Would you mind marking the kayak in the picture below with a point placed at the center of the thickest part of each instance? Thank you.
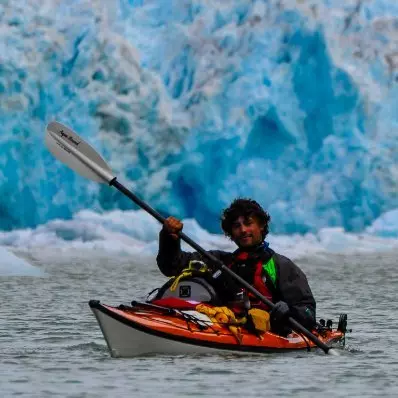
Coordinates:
(144, 328)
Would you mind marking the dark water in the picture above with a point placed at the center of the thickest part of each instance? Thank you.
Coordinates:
(52, 346)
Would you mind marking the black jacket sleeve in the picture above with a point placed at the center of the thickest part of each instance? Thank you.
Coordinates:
(172, 260)
(295, 291)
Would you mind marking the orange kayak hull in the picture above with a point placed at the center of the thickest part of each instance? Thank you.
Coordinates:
(144, 329)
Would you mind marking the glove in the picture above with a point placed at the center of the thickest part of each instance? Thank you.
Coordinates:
(280, 312)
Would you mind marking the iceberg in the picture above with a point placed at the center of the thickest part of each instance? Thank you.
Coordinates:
(12, 265)
(134, 234)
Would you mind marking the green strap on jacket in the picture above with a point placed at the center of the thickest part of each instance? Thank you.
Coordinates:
(270, 269)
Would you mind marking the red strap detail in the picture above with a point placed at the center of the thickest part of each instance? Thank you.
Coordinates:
(259, 285)
(177, 303)
(243, 256)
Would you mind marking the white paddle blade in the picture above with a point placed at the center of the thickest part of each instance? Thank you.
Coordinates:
(72, 150)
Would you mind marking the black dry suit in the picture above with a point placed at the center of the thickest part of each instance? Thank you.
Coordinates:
(282, 279)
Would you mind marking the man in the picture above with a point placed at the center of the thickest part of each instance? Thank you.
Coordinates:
(273, 275)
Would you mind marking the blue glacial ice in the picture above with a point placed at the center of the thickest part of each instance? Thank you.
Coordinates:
(194, 103)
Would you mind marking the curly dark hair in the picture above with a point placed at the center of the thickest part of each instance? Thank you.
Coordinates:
(246, 208)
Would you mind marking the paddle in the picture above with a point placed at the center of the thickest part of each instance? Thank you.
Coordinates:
(72, 150)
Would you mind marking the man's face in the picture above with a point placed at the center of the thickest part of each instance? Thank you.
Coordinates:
(246, 232)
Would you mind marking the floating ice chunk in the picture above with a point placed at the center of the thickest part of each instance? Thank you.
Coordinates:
(386, 225)
(10, 264)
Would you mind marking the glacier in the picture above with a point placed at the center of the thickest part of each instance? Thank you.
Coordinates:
(194, 103)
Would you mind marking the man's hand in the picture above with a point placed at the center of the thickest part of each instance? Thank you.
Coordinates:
(173, 226)
(280, 312)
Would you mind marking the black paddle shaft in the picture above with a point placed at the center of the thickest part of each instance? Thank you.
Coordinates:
(217, 263)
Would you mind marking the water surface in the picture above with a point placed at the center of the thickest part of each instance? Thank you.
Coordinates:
(52, 346)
